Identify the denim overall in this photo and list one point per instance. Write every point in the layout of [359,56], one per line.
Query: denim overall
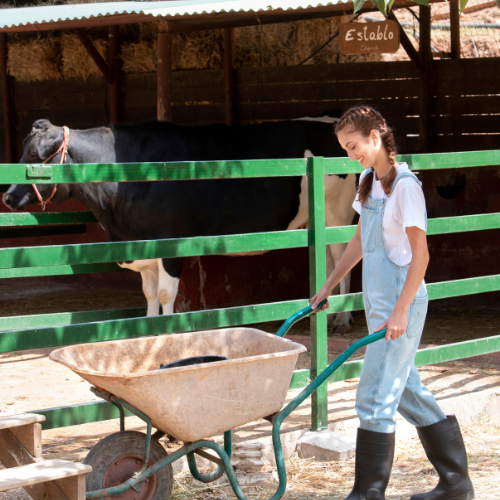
[389,380]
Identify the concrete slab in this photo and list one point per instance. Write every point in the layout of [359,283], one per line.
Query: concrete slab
[326,446]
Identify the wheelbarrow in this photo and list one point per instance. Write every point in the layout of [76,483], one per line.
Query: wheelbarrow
[189,403]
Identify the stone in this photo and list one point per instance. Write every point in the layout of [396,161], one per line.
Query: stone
[326,446]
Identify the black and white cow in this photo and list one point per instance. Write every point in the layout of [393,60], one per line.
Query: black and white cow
[175,209]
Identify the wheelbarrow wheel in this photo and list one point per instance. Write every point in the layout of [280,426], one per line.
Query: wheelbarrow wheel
[115,458]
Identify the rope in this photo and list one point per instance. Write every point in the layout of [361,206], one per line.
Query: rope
[64,148]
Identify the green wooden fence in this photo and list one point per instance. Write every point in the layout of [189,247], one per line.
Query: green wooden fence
[37,331]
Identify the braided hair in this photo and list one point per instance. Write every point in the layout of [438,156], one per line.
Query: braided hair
[364,119]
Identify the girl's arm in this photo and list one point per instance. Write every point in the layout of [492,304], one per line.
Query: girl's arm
[397,322]
[352,255]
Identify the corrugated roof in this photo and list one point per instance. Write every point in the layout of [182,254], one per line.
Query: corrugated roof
[37,16]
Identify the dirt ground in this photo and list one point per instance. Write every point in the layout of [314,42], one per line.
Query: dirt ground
[29,381]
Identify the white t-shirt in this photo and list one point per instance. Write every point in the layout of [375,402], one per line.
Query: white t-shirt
[404,208]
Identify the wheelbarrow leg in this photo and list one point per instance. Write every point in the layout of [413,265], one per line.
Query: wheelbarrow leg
[217,473]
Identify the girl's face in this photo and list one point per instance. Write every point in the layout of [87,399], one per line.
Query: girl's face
[363,149]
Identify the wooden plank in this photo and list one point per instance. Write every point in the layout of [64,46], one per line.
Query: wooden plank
[49,470]
[454,74]
[328,72]
[64,86]
[30,436]
[469,124]
[319,91]
[297,109]
[180,79]
[61,100]
[466,105]
[199,115]
[13,454]
[449,143]
[73,487]
[9,420]
[180,97]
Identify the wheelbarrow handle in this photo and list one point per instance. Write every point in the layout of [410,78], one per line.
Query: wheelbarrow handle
[297,317]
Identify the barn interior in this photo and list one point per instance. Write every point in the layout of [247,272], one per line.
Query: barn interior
[439,93]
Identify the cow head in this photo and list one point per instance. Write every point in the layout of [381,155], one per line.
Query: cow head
[43,140]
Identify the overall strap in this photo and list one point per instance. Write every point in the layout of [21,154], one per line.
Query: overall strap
[404,175]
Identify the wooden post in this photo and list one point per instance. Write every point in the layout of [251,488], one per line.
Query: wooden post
[425,100]
[455,28]
[164,75]
[115,66]
[6,100]
[229,74]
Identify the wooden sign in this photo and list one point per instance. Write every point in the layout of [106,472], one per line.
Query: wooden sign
[376,38]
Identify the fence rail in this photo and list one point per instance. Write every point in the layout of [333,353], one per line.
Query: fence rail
[37,331]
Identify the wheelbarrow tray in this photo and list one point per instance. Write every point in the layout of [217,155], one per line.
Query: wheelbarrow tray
[198,401]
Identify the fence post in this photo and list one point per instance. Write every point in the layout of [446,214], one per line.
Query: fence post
[317,276]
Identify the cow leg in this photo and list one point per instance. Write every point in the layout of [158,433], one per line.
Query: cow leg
[149,274]
[342,322]
[168,284]
[150,289]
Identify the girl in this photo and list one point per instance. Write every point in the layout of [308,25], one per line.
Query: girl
[391,239]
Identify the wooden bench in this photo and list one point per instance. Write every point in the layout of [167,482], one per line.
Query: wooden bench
[21,454]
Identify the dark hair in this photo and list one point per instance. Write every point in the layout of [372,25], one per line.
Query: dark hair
[364,119]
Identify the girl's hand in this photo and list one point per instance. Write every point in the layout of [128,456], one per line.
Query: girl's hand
[396,325]
[323,294]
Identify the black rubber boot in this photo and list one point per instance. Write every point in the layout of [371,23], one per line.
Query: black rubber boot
[445,449]
[374,456]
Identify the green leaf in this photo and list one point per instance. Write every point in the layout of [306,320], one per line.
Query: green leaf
[389,7]
[422,2]
[358,4]
[382,6]
[463,3]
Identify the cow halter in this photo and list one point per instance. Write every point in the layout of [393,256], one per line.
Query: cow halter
[63,148]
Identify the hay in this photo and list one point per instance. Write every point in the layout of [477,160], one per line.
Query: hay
[34,59]
[138,57]
[284,44]
[76,62]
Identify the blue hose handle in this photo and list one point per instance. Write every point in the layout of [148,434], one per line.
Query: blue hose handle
[297,317]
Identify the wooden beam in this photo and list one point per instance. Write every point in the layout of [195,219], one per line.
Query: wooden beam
[455,28]
[407,45]
[229,74]
[30,436]
[94,54]
[425,100]
[114,64]
[164,76]
[6,100]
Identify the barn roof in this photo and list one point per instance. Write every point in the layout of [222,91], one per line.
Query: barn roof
[180,15]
